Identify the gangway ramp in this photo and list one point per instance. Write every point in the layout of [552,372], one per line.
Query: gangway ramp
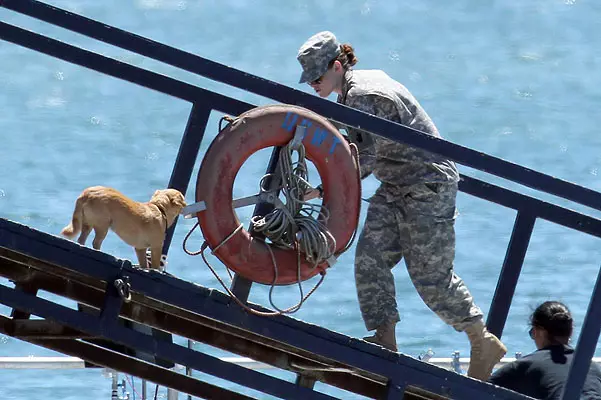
[42,262]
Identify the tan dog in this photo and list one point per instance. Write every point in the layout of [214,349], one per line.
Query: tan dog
[141,225]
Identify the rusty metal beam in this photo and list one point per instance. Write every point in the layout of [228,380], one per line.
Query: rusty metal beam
[60,281]
[46,267]
[180,322]
[39,330]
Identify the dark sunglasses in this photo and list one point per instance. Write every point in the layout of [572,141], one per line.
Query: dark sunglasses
[531,333]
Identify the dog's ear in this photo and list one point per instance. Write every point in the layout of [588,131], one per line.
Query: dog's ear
[159,197]
[177,198]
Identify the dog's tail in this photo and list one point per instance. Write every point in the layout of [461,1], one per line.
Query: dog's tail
[75,226]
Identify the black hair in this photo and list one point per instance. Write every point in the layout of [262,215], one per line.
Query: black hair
[555,318]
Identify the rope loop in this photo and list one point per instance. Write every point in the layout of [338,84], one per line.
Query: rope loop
[123,288]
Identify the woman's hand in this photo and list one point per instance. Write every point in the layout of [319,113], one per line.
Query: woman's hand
[312,194]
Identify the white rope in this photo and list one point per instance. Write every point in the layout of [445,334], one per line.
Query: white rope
[298,222]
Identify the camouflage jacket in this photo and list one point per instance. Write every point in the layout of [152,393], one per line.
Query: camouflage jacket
[394,164]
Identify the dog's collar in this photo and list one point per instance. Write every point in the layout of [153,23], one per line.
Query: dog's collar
[163,213]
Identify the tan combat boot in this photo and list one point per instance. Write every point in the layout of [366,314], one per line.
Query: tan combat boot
[487,351]
[385,336]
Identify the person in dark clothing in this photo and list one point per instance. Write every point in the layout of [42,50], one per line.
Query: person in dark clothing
[543,374]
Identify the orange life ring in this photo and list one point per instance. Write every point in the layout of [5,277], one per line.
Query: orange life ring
[270,126]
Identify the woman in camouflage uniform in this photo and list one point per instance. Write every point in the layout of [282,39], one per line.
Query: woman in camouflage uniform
[411,215]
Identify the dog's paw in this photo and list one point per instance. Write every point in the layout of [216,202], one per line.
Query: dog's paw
[163,265]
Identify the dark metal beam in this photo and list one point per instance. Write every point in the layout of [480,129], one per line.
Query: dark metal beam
[161,316]
[510,273]
[129,365]
[39,329]
[240,285]
[27,288]
[118,69]
[186,156]
[395,391]
[166,350]
[273,90]
[530,205]
[585,348]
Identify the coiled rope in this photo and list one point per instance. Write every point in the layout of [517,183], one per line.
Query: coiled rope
[299,223]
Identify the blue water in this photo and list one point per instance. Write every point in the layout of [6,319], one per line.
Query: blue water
[518,80]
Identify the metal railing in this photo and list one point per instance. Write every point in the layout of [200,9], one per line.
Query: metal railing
[455,363]
[528,209]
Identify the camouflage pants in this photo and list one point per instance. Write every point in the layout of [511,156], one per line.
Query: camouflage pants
[418,225]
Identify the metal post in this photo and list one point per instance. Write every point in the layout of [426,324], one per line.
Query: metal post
[180,179]
[512,267]
[456,363]
[395,390]
[172,394]
[305,381]
[240,285]
[188,369]
[114,393]
[124,393]
[587,342]
[426,356]
[27,288]
[186,156]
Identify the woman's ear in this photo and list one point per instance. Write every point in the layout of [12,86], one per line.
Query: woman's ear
[337,66]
